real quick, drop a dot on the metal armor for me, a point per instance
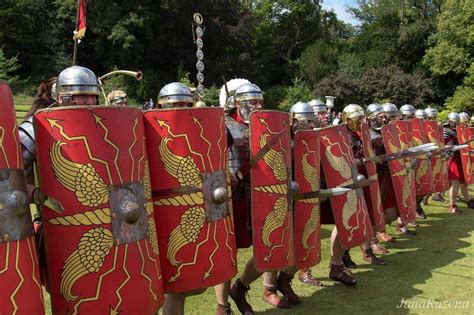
(238, 156)
(27, 140)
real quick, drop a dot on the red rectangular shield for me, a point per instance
(423, 172)
(99, 244)
(307, 212)
(402, 175)
(438, 164)
(349, 210)
(374, 205)
(467, 159)
(187, 150)
(272, 217)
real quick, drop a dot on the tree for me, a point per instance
(452, 46)
(393, 84)
(7, 67)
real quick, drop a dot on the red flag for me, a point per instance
(81, 20)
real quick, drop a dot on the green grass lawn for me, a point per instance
(437, 265)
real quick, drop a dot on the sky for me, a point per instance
(340, 7)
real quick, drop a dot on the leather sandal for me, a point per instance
(338, 273)
(454, 209)
(271, 296)
(306, 277)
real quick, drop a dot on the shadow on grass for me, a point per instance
(412, 261)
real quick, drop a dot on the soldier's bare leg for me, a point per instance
(337, 271)
(453, 195)
(222, 296)
(174, 304)
(467, 197)
(368, 253)
(270, 294)
(250, 274)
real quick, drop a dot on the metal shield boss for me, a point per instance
(20, 281)
(187, 149)
(349, 210)
(374, 205)
(98, 220)
(438, 164)
(403, 176)
(467, 157)
(272, 217)
(307, 223)
(423, 172)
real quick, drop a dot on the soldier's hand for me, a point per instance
(414, 163)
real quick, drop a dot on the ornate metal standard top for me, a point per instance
(198, 33)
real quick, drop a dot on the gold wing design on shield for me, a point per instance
(274, 220)
(310, 226)
(193, 219)
(310, 173)
(274, 159)
(82, 179)
(93, 248)
(182, 168)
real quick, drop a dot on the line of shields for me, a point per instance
(140, 204)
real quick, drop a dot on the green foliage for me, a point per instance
(211, 98)
(340, 85)
(452, 50)
(7, 67)
(274, 96)
(395, 85)
(463, 98)
(298, 92)
(318, 61)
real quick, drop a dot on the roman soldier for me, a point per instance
(340, 259)
(455, 172)
(199, 204)
(97, 214)
(376, 119)
(247, 98)
(393, 114)
(420, 213)
(431, 113)
(353, 116)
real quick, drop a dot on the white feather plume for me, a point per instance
(232, 85)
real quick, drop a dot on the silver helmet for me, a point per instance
(77, 80)
(318, 106)
(464, 118)
(249, 97)
(227, 92)
(175, 93)
(431, 112)
(407, 110)
(391, 111)
(248, 92)
(454, 117)
(302, 112)
(373, 110)
(376, 121)
(421, 113)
